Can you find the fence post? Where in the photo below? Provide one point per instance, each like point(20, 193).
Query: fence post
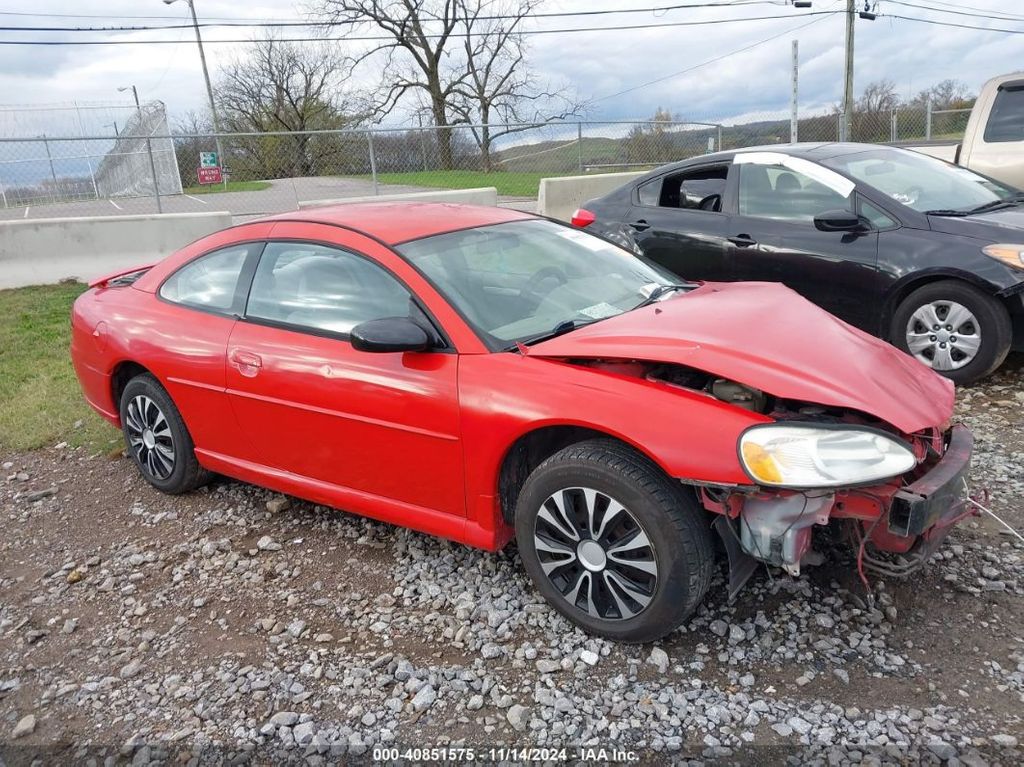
point(719, 148)
point(3, 192)
point(92, 175)
point(152, 170)
point(373, 162)
point(793, 108)
point(579, 144)
point(893, 126)
point(928, 119)
point(53, 173)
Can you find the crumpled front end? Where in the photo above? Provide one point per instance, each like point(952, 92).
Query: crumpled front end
point(893, 526)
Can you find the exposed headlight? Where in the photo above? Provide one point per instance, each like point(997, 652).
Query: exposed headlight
point(1009, 254)
point(785, 455)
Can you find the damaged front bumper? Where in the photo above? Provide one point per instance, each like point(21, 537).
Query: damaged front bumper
point(895, 527)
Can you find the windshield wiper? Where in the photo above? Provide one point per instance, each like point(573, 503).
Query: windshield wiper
point(658, 292)
point(560, 329)
point(1009, 202)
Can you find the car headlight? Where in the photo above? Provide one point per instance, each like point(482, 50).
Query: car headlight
point(1009, 254)
point(785, 455)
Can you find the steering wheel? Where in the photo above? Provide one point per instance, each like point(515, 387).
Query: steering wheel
point(535, 284)
point(910, 195)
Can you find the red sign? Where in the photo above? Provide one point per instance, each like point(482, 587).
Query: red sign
point(209, 175)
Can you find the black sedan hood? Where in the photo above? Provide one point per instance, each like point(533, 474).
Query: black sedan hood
point(1005, 225)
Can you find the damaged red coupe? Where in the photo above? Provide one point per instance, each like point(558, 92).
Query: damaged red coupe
point(483, 374)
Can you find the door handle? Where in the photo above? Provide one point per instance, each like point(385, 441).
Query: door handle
point(743, 240)
point(247, 363)
point(640, 225)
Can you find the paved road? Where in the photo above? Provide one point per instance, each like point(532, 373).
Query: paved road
point(283, 195)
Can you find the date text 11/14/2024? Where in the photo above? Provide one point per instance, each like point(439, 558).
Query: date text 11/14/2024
point(450, 754)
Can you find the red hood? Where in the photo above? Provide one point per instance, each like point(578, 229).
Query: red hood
point(766, 336)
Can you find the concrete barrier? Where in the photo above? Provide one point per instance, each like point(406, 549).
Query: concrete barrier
point(560, 197)
point(47, 250)
point(487, 195)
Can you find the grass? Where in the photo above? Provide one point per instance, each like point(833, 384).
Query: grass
point(507, 183)
point(233, 186)
point(40, 401)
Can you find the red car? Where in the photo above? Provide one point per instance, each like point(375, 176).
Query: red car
point(483, 374)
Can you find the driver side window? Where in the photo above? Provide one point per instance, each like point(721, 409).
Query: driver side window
point(318, 288)
point(774, 191)
point(695, 189)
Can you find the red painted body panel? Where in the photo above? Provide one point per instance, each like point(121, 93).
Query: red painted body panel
point(766, 336)
point(419, 439)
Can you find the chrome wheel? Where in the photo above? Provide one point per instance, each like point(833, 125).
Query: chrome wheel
point(944, 335)
point(595, 553)
point(149, 437)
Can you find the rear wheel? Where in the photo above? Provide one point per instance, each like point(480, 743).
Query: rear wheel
point(954, 328)
point(612, 543)
point(157, 439)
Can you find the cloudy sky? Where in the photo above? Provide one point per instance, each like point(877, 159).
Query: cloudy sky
point(610, 69)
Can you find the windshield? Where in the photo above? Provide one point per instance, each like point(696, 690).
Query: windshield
point(519, 281)
point(919, 181)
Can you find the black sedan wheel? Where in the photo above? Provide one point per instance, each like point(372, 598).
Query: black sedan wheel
point(157, 439)
point(612, 543)
point(954, 328)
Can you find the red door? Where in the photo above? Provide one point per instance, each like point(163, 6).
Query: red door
point(383, 425)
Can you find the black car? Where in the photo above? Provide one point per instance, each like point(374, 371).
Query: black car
point(927, 255)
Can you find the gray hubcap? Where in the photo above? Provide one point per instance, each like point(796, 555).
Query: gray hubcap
point(944, 335)
point(149, 437)
point(595, 553)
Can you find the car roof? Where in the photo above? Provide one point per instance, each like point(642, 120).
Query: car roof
point(395, 222)
point(821, 150)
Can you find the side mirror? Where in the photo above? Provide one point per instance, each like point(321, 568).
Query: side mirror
point(391, 334)
point(838, 221)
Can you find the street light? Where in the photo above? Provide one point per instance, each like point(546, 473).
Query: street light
point(149, 144)
point(206, 76)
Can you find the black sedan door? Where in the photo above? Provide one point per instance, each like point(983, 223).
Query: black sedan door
point(677, 221)
point(772, 237)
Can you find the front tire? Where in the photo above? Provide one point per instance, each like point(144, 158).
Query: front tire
point(956, 329)
point(157, 440)
point(612, 543)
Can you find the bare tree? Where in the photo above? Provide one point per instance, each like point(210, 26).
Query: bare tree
point(498, 86)
point(280, 86)
point(416, 60)
point(948, 94)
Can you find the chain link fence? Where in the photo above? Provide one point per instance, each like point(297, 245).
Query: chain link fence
point(146, 169)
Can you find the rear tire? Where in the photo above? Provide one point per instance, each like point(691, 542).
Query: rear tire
point(974, 326)
point(156, 438)
point(612, 543)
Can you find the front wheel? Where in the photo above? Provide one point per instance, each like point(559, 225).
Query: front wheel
point(612, 543)
point(954, 328)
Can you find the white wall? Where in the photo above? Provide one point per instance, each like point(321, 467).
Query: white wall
point(560, 197)
point(487, 195)
point(47, 250)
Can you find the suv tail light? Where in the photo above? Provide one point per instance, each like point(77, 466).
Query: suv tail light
point(583, 218)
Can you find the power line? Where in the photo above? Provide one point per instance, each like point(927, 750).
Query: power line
point(226, 21)
point(386, 38)
point(957, 25)
point(714, 60)
point(962, 11)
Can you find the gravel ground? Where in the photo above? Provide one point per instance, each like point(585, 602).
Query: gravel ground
point(233, 622)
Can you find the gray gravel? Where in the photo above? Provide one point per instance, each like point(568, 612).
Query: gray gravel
point(145, 627)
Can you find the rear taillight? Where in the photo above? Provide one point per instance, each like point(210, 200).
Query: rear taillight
point(583, 218)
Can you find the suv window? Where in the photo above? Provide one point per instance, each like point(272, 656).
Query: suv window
point(1006, 120)
point(210, 281)
point(698, 189)
point(774, 191)
point(325, 289)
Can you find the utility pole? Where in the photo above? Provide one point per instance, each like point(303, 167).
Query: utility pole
point(848, 77)
point(209, 87)
point(794, 116)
